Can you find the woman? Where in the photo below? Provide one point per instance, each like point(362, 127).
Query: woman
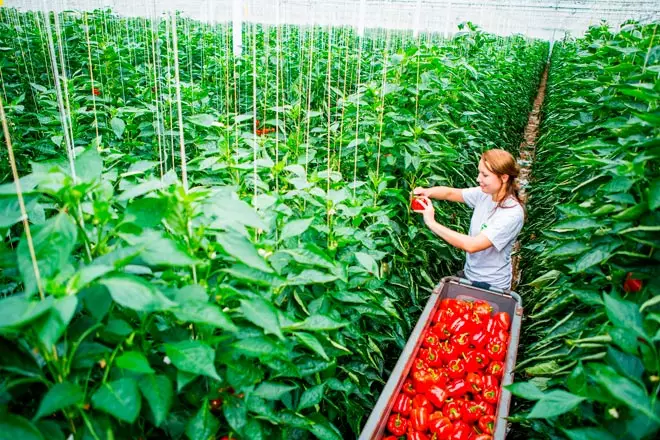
point(497, 218)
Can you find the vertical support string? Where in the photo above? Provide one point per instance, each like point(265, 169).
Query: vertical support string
point(21, 202)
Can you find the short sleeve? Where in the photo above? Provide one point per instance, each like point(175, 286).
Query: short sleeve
point(471, 196)
point(504, 226)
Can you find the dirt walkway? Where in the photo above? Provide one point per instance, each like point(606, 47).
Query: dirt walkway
point(527, 153)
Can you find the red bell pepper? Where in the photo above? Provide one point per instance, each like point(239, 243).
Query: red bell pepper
point(462, 431)
point(503, 319)
point(397, 425)
point(476, 323)
point(419, 419)
point(436, 395)
point(473, 411)
point(402, 405)
point(430, 340)
point(475, 381)
point(441, 330)
point(439, 376)
point(421, 401)
point(453, 410)
point(419, 364)
point(408, 388)
point(456, 368)
point(476, 360)
point(461, 341)
point(391, 437)
point(487, 424)
point(422, 380)
point(492, 326)
point(491, 394)
point(483, 437)
point(482, 308)
point(495, 369)
point(416, 435)
point(490, 381)
point(490, 409)
point(496, 349)
point(479, 339)
point(503, 335)
point(447, 351)
point(441, 426)
point(460, 325)
point(458, 388)
point(431, 357)
point(449, 316)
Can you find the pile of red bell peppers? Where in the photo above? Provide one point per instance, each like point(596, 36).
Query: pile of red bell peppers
point(453, 388)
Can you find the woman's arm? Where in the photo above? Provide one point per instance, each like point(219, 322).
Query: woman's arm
point(456, 239)
point(441, 193)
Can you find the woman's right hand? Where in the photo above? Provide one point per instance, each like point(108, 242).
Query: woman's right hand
point(422, 192)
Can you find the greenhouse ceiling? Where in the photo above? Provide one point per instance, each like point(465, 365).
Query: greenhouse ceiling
point(542, 18)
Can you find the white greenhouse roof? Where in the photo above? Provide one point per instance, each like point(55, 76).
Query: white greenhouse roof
point(538, 18)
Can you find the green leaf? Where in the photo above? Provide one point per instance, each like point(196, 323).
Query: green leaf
point(589, 434)
point(273, 390)
point(262, 314)
point(319, 323)
point(368, 262)
point(313, 344)
point(311, 397)
point(554, 403)
point(250, 276)
point(119, 398)
point(310, 276)
point(53, 244)
point(625, 364)
point(146, 212)
point(17, 428)
point(235, 412)
point(60, 396)
point(134, 361)
point(204, 120)
point(624, 390)
point(50, 430)
point(546, 279)
point(654, 195)
point(295, 228)
point(204, 313)
point(595, 256)
point(253, 429)
point(243, 250)
point(193, 357)
point(52, 325)
point(135, 293)
point(234, 213)
point(257, 347)
point(624, 314)
point(158, 250)
point(89, 165)
point(118, 127)
point(632, 213)
point(203, 425)
point(18, 310)
point(157, 390)
point(569, 249)
point(310, 255)
point(578, 223)
point(140, 189)
point(526, 390)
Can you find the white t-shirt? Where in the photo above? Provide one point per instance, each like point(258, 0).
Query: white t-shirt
point(501, 226)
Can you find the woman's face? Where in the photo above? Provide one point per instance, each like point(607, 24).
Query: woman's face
point(489, 182)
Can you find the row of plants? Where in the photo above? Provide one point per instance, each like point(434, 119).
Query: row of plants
point(589, 362)
point(268, 298)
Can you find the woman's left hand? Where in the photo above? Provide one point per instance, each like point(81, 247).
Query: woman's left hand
point(429, 211)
